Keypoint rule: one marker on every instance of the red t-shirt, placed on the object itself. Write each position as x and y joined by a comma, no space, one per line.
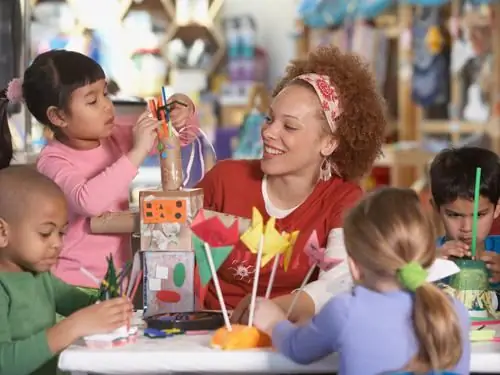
234,187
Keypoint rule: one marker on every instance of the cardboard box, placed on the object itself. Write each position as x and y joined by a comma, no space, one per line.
168,282
165,218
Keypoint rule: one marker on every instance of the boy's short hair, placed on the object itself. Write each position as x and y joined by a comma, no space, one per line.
453,175
22,186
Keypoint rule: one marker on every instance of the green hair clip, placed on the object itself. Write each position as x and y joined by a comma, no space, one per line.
412,276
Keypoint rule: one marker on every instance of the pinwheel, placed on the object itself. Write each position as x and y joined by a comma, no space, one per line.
267,243
213,242
317,258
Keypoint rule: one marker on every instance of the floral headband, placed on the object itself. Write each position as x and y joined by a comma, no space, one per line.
14,93
327,94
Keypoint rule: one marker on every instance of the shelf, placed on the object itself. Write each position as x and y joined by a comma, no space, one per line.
164,6
449,126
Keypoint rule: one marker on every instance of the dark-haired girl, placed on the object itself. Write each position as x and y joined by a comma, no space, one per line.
92,159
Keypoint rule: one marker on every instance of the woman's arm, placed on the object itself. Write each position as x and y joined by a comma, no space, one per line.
330,283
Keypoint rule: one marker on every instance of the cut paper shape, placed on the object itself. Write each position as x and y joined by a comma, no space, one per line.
288,251
179,274
317,258
219,255
168,296
158,211
317,255
213,231
154,285
161,272
441,269
274,242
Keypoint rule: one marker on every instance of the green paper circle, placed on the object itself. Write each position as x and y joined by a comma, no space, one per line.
179,274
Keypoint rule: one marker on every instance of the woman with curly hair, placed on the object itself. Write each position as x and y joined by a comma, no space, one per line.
324,129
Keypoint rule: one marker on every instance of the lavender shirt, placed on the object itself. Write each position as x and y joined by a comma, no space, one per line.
373,333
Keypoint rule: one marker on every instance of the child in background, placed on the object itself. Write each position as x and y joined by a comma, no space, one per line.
393,320
91,158
30,296
453,179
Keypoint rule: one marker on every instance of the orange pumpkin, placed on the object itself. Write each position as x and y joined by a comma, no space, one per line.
240,337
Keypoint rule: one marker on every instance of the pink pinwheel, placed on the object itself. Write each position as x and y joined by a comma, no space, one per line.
317,258
317,255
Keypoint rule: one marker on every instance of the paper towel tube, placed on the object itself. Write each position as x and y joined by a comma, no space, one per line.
115,222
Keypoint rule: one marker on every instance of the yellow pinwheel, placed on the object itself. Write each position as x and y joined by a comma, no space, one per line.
274,242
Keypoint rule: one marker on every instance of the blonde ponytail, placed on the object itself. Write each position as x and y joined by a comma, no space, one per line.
437,329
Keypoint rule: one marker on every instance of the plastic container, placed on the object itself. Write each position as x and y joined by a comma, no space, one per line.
472,287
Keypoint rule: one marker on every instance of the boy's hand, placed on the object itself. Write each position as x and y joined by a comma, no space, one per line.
454,248
180,114
492,261
102,317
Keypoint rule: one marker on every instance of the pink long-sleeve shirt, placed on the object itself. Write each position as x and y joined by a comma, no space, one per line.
94,182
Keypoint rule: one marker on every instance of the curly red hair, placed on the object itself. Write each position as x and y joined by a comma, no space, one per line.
361,126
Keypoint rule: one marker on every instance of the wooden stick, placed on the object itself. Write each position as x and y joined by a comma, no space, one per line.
256,281
90,275
296,296
273,275
218,289
136,286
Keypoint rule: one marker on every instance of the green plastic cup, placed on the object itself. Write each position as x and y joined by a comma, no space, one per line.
472,286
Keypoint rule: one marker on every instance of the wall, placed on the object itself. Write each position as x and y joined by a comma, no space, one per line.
275,24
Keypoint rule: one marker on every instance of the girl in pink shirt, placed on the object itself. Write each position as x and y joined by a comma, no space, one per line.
92,159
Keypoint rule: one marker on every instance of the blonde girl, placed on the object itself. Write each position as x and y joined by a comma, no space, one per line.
392,320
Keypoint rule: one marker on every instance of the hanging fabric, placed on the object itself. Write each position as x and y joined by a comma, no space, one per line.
426,3
371,9
430,68
322,13
10,40
250,140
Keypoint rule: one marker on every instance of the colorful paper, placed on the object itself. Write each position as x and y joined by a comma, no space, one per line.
288,251
219,255
157,211
213,231
274,242
317,255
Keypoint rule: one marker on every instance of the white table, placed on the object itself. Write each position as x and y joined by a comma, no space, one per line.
181,354
188,354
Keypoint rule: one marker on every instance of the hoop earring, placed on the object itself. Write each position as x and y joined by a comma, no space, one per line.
325,170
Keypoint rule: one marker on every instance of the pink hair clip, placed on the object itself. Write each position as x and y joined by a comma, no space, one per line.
14,92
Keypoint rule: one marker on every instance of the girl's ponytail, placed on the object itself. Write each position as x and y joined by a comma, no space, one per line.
438,331
6,148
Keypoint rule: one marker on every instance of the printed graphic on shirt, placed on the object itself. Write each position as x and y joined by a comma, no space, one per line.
241,270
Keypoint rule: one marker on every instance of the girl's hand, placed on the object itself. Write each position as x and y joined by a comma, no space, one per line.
179,114
144,132
267,315
102,317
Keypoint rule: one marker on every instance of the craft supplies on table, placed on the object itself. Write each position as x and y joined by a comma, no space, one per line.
187,322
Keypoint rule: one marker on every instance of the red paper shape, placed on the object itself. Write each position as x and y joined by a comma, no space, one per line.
214,232
168,296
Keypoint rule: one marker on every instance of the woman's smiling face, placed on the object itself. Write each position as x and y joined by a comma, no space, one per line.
294,136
